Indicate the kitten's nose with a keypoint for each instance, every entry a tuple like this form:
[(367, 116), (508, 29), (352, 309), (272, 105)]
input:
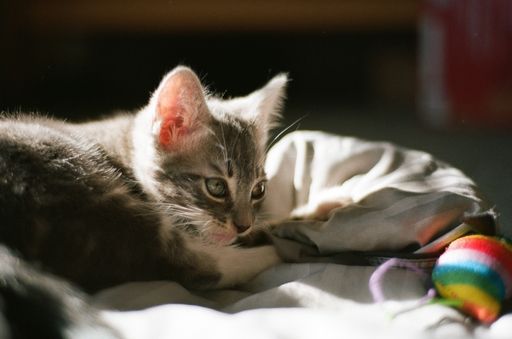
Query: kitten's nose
[(242, 218), (241, 228)]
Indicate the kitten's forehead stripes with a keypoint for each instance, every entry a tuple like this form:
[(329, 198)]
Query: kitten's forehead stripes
[(229, 166)]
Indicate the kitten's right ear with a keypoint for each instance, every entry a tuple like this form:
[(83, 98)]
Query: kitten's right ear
[(179, 108)]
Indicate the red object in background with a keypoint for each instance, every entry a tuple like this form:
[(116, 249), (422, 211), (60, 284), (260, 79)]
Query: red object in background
[(466, 63)]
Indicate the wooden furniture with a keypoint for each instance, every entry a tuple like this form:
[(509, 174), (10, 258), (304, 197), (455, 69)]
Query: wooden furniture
[(49, 16)]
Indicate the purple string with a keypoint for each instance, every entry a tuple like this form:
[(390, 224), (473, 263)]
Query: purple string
[(375, 283)]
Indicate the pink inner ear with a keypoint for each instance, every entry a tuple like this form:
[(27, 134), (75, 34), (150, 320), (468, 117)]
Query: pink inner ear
[(175, 107), (173, 121), (170, 130)]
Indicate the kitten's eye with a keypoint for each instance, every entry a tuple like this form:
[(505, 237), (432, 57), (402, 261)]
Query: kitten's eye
[(216, 187), (258, 191)]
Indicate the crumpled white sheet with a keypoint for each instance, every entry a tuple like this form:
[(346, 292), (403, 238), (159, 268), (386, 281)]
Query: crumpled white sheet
[(295, 301), (398, 197), (324, 299)]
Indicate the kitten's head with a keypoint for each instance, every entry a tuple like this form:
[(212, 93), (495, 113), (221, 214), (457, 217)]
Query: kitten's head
[(204, 156)]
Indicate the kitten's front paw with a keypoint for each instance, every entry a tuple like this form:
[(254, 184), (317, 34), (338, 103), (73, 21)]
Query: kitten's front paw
[(239, 265)]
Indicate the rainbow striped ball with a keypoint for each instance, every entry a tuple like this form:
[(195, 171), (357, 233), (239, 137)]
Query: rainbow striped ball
[(476, 271)]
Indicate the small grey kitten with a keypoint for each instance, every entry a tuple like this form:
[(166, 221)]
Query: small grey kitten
[(161, 194)]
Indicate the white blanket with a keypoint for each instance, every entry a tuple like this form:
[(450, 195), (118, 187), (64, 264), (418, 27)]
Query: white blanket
[(396, 202)]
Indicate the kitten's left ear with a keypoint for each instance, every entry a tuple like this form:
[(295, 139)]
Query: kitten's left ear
[(179, 110), (264, 105)]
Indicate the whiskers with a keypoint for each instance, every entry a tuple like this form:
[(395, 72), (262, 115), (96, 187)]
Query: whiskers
[(296, 123), (191, 219), (182, 216), (199, 225), (275, 139)]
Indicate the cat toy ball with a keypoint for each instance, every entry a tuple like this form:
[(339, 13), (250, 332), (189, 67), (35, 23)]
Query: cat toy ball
[(475, 274)]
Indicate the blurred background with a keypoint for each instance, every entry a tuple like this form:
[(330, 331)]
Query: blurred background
[(434, 75)]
